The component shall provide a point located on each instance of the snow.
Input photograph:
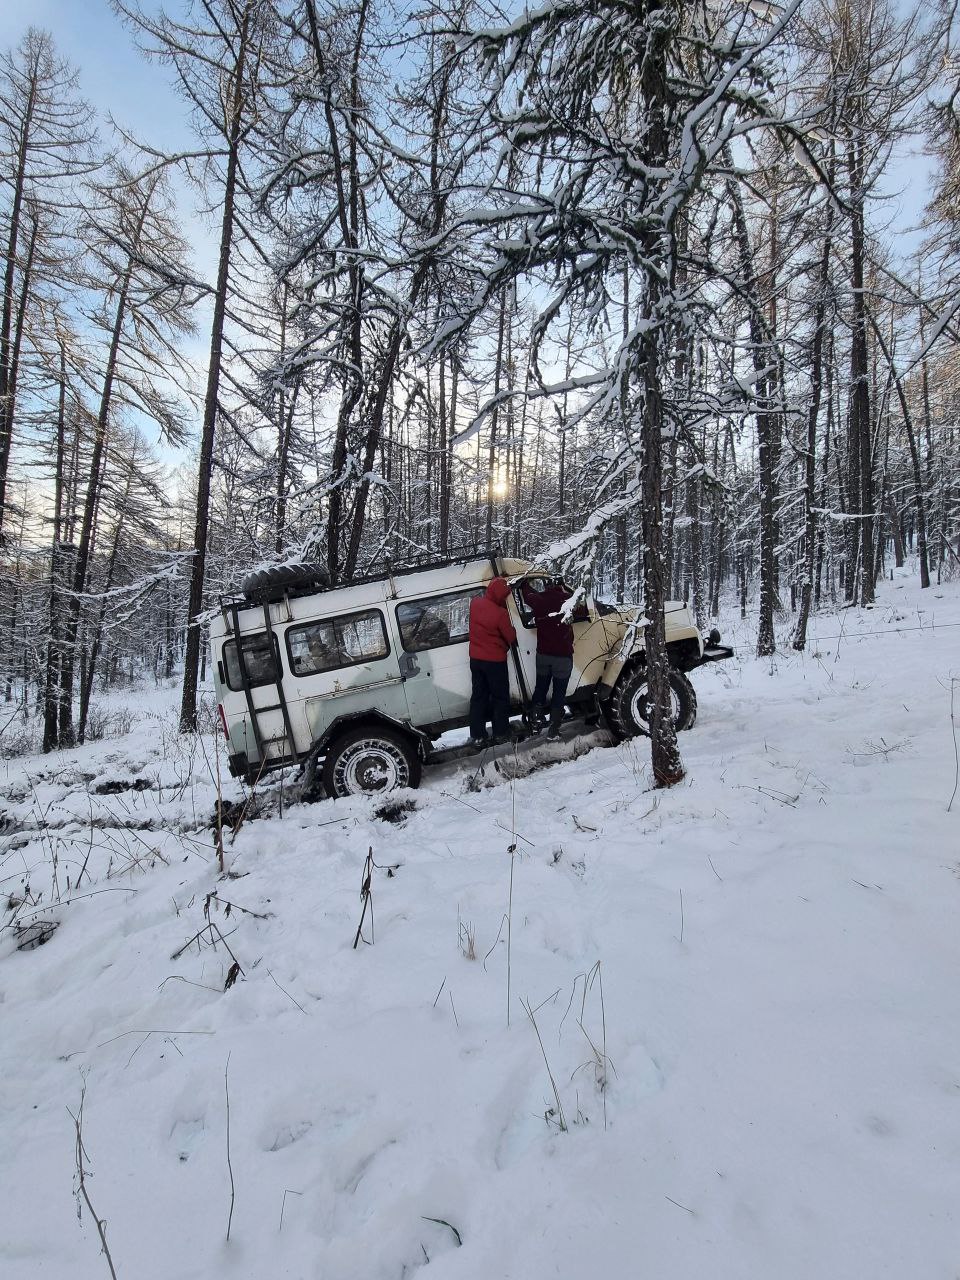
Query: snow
(775, 940)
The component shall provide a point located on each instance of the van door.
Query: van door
(434, 634)
(341, 665)
(592, 640)
(259, 660)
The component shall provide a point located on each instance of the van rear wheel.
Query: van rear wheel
(368, 760)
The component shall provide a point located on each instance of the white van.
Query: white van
(362, 679)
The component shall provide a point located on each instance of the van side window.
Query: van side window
(262, 661)
(435, 621)
(337, 642)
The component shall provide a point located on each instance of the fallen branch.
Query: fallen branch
(956, 751)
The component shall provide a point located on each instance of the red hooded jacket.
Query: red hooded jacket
(491, 631)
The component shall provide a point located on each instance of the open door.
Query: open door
(593, 641)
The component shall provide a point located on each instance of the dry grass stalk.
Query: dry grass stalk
(81, 1192)
(561, 1120)
(233, 1189)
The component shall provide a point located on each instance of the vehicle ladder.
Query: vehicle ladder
(232, 616)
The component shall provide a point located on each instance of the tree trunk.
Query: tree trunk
(51, 697)
(810, 457)
(659, 250)
(860, 425)
(761, 351)
(8, 370)
(191, 658)
(92, 499)
(918, 484)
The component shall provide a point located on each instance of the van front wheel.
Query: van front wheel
(368, 760)
(626, 708)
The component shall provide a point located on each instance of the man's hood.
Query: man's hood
(498, 590)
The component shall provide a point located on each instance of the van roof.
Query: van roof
(406, 580)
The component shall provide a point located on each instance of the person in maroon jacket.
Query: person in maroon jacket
(554, 650)
(491, 635)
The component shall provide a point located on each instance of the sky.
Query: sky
(116, 79)
(114, 75)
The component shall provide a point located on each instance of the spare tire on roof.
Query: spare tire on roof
(285, 580)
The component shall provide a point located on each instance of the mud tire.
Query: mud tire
(687, 700)
(625, 708)
(370, 760)
(285, 579)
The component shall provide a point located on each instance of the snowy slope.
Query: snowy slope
(759, 965)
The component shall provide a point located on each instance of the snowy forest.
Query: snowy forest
(636, 322)
(598, 285)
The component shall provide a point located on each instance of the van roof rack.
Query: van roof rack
(282, 581)
(387, 566)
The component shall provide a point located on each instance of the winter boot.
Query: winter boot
(556, 719)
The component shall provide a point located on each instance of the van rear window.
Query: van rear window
(262, 662)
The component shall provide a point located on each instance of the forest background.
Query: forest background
(634, 291)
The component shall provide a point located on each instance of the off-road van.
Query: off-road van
(361, 680)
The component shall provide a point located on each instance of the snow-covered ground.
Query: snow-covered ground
(733, 1047)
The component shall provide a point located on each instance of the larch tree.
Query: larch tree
(138, 269)
(611, 121)
(216, 51)
(872, 68)
(45, 144)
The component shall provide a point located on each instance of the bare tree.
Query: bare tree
(45, 139)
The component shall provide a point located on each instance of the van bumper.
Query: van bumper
(238, 765)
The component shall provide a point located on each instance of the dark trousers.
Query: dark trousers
(556, 668)
(489, 698)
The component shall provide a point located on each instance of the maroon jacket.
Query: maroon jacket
(491, 631)
(554, 636)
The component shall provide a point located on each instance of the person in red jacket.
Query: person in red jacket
(554, 650)
(491, 635)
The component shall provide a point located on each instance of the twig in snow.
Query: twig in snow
(454, 1008)
(460, 800)
(714, 869)
(437, 996)
(503, 920)
(366, 897)
(289, 997)
(218, 827)
(513, 853)
(113, 1039)
(692, 1212)
(233, 1190)
(561, 1120)
(214, 897)
(442, 1222)
(176, 977)
(516, 834)
(215, 932)
(286, 1192)
(553, 996)
(81, 1191)
(956, 751)
(681, 917)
